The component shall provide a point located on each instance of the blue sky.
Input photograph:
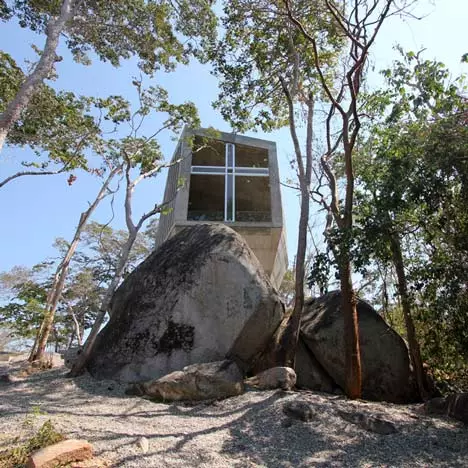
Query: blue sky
(36, 210)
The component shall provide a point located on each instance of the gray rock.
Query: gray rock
(386, 371)
(206, 381)
(301, 410)
(276, 377)
(369, 422)
(201, 297)
(7, 379)
(454, 406)
(70, 356)
(310, 374)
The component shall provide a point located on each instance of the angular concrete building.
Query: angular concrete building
(232, 179)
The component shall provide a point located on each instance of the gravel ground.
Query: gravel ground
(250, 430)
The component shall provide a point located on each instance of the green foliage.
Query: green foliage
(58, 123)
(260, 47)
(320, 272)
(412, 183)
(17, 457)
(25, 311)
(93, 266)
(148, 29)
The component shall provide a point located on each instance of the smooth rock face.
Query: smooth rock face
(58, 454)
(276, 377)
(207, 381)
(200, 297)
(386, 372)
(310, 374)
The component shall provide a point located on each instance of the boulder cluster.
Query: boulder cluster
(201, 307)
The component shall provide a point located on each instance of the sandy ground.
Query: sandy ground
(250, 430)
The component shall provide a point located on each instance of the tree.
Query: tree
(59, 124)
(359, 22)
(144, 154)
(58, 282)
(92, 267)
(114, 30)
(412, 176)
(268, 81)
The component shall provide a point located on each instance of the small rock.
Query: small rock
(143, 442)
(370, 423)
(454, 406)
(301, 410)
(275, 377)
(63, 452)
(6, 379)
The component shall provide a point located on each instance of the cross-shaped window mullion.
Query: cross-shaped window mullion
(230, 171)
(230, 184)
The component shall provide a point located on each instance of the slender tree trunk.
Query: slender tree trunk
(413, 344)
(353, 379)
(76, 332)
(79, 366)
(70, 340)
(304, 182)
(42, 70)
(61, 274)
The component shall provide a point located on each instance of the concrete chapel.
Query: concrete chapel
(230, 179)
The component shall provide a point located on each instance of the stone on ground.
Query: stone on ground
(369, 422)
(276, 377)
(301, 410)
(208, 381)
(201, 297)
(386, 371)
(61, 453)
(454, 406)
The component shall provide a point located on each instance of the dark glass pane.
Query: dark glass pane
(249, 156)
(229, 198)
(253, 201)
(206, 198)
(208, 152)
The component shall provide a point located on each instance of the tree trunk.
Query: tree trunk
(413, 344)
(290, 336)
(76, 332)
(61, 274)
(42, 70)
(353, 379)
(79, 366)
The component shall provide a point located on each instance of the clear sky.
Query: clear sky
(36, 210)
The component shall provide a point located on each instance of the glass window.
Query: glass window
(208, 152)
(206, 198)
(253, 202)
(248, 156)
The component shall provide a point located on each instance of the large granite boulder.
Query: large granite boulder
(200, 297)
(310, 374)
(386, 370)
